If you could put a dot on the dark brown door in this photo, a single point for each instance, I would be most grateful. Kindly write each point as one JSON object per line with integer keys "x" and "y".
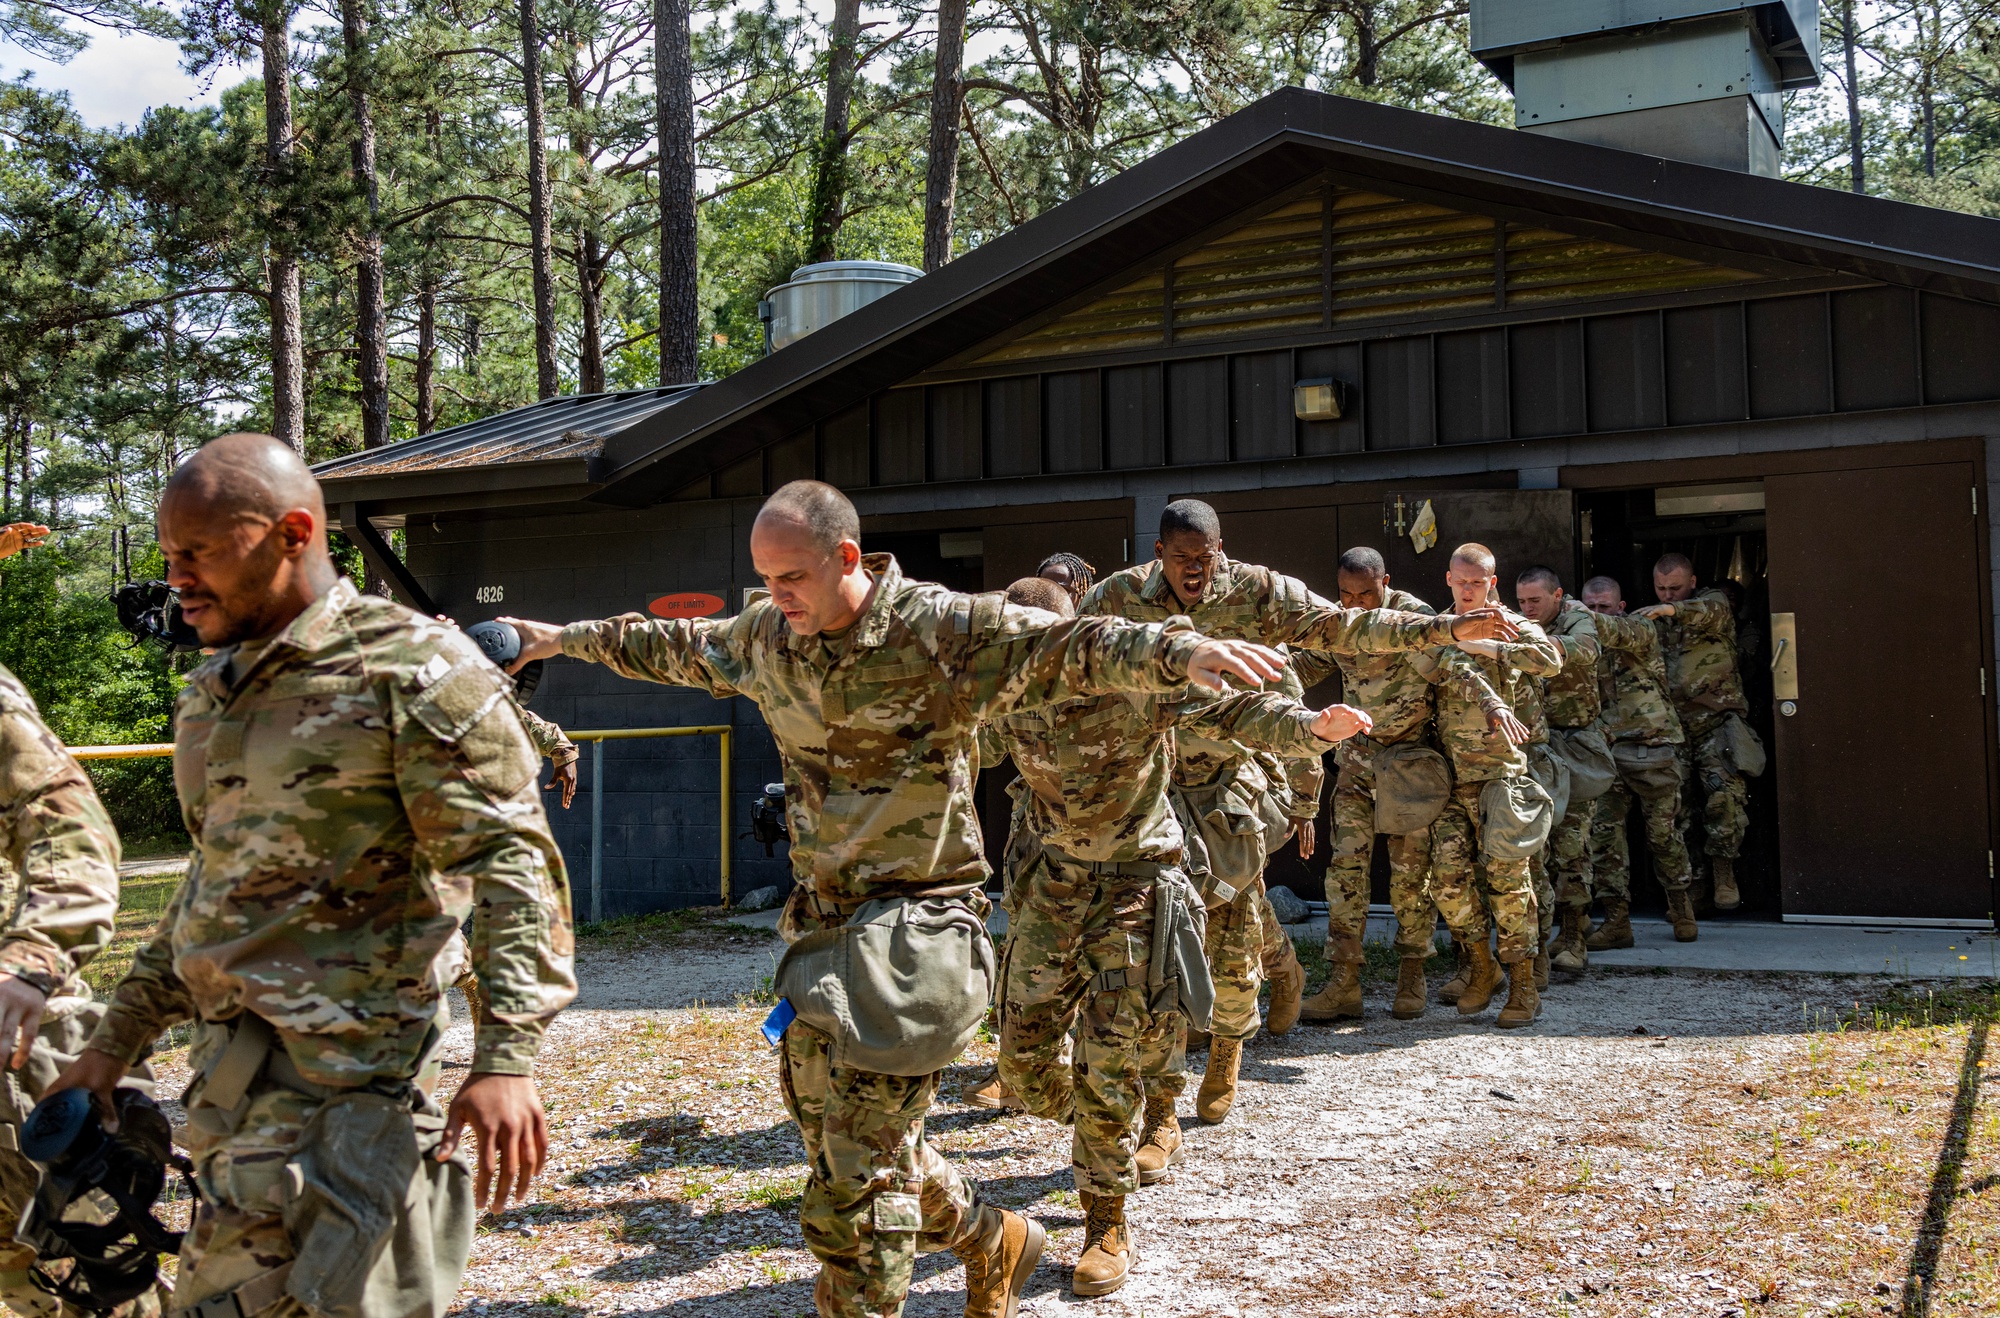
{"x": 1523, "y": 528}
{"x": 1883, "y": 797}
{"x": 1014, "y": 550}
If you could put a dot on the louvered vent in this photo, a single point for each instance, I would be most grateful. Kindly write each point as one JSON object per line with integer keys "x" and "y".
{"x": 1369, "y": 259}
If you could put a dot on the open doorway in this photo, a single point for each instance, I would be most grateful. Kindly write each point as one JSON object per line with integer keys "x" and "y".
{"x": 1721, "y": 529}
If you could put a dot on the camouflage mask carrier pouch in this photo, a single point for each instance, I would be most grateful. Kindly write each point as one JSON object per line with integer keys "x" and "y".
{"x": 1177, "y": 976}
{"x": 1588, "y": 754}
{"x": 1742, "y": 747}
{"x": 1650, "y": 771}
{"x": 1412, "y": 784}
{"x": 1551, "y": 772}
{"x": 1515, "y": 816}
{"x": 900, "y": 989}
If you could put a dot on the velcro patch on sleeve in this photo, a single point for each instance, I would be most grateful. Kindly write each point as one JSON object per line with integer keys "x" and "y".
{"x": 452, "y": 704}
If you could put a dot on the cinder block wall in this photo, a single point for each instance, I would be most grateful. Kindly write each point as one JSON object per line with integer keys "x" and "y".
{"x": 660, "y": 795}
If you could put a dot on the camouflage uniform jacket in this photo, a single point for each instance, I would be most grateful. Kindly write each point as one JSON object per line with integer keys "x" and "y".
{"x": 1633, "y": 678}
{"x": 1571, "y": 698}
{"x": 878, "y": 726}
{"x": 1478, "y": 755}
{"x": 60, "y": 850}
{"x": 1246, "y": 602}
{"x": 1396, "y": 690}
{"x": 1098, "y": 770}
{"x": 353, "y": 794}
{"x": 549, "y": 740}
{"x": 1699, "y": 643}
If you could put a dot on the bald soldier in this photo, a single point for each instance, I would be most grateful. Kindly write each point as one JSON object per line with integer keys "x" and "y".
{"x": 874, "y": 688}
{"x": 356, "y": 784}
{"x": 59, "y": 863}
{"x": 1698, "y": 640}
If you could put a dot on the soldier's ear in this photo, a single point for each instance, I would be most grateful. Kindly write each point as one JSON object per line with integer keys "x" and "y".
{"x": 850, "y": 555}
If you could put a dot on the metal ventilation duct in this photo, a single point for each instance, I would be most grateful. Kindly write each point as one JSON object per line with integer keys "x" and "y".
{"x": 820, "y": 294}
{"x": 1697, "y": 80}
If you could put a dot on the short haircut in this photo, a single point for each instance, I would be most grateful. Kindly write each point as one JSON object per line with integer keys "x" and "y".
{"x": 1673, "y": 563}
{"x": 1541, "y": 576}
{"x": 1604, "y": 586}
{"x": 248, "y": 473}
{"x": 827, "y": 514}
{"x": 1477, "y": 555}
{"x": 1362, "y": 561}
{"x": 1080, "y": 572}
{"x": 1190, "y": 517}
{"x": 1040, "y": 593}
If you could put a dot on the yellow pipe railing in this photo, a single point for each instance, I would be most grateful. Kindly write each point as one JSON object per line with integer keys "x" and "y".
{"x": 597, "y": 737}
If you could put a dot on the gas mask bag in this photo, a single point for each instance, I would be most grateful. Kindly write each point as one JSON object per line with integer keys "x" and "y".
{"x": 111, "y": 1236}
{"x": 499, "y": 642}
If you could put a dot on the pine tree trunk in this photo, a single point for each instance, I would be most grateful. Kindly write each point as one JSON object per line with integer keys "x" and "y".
{"x": 590, "y": 291}
{"x": 947, "y": 96}
{"x": 371, "y": 315}
{"x": 427, "y": 357}
{"x": 829, "y": 194}
{"x": 673, "y": 90}
{"x": 1856, "y": 169}
{"x": 541, "y": 242}
{"x": 288, "y": 368}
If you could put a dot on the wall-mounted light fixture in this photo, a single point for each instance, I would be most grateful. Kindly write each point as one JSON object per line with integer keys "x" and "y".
{"x": 1325, "y": 399}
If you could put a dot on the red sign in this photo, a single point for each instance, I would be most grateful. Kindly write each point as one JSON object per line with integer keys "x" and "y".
{"x": 688, "y": 604}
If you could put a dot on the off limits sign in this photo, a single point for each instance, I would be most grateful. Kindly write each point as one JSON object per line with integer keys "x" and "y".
{"x": 687, "y": 604}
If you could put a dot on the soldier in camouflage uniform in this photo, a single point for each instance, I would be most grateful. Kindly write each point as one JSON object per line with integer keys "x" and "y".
{"x": 1639, "y": 713}
{"x": 1698, "y": 639}
{"x": 1225, "y": 790}
{"x": 59, "y": 860}
{"x": 1396, "y": 691}
{"x": 1470, "y": 884}
{"x": 355, "y": 783}
{"x": 1078, "y": 947}
{"x": 874, "y": 688}
{"x": 1571, "y": 703}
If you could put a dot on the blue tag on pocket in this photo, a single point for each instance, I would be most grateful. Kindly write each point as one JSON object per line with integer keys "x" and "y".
{"x": 778, "y": 1022}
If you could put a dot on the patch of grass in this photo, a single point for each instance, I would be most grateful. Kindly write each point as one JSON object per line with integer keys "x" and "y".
{"x": 1380, "y": 963}
{"x": 687, "y": 926}
{"x": 781, "y": 1195}
{"x": 142, "y": 900}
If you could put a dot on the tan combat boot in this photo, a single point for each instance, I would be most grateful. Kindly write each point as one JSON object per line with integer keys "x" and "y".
{"x": 1569, "y": 954}
{"x": 1108, "y": 1251}
{"x": 996, "y": 1095}
{"x": 1482, "y": 979}
{"x": 1288, "y": 985}
{"x": 1340, "y": 999}
{"x": 1542, "y": 966}
{"x": 1454, "y": 986}
{"x": 1680, "y": 911}
{"x": 1723, "y": 868}
{"x": 1218, "y": 1082}
{"x": 1524, "y": 1000}
{"x": 1197, "y": 1039}
{"x": 1616, "y": 931}
{"x": 1160, "y": 1141}
{"x": 998, "y": 1262}
{"x": 1410, "y": 997}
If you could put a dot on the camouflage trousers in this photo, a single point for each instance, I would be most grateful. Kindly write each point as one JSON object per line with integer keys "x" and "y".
{"x": 1077, "y": 953}
{"x": 1275, "y": 950}
{"x": 1347, "y": 877}
{"x": 1717, "y": 795}
{"x": 61, "y": 1037}
{"x": 876, "y": 1194}
{"x": 1568, "y": 855}
{"x": 1611, "y": 851}
{"x": 1235, "y": 947}
{"x": 1477, "y": 893}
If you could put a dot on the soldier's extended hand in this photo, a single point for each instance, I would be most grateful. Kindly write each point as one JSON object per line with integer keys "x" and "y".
{"x": 1483, "y": 625}
{"x": 1213, "y": 662}
{"x": 99, "y": 1073}
{"x": 1502, "y": 721}
{"x": 21, "y": 1005}
{"x": 1655, "y": 611}
{"x": 17, "y": 536}
{"x": 539, "y": 640}
{"x": 505, "y": 1113}
{"x": 1339, "y": 722}
{"x": 1308, "y": 834}
{"x": 565, "y": 778}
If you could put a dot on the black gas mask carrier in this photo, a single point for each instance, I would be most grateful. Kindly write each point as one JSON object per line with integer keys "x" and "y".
{"x": 151, "y": 611}
{"x": 111, "y": 1261}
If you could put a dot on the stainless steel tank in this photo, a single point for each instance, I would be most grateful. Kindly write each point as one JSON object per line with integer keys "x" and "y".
{"x": 820, "y": 294}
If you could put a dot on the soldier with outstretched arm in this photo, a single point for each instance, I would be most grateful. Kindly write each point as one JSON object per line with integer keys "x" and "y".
{"x": 355, "y": 782}
{"x": 874, "y": 688}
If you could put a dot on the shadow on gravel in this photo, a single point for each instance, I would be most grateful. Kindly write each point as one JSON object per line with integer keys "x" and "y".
{"x": 680, "y": 1140}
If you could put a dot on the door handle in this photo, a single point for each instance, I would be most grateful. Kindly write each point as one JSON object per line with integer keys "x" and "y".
{"x": 1785, "y": 662}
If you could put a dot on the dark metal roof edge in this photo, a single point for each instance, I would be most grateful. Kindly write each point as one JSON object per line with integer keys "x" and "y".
{"x": 403, "y": 487}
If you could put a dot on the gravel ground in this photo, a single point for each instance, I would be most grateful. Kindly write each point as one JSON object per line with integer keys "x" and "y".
{"x": 1648, "y": 1147}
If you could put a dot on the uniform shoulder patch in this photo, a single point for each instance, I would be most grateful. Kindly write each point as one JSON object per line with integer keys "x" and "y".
{"x": 454, "y": 686}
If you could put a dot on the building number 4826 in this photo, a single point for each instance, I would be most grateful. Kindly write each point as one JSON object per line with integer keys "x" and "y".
{"x": 490, "y": 594}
